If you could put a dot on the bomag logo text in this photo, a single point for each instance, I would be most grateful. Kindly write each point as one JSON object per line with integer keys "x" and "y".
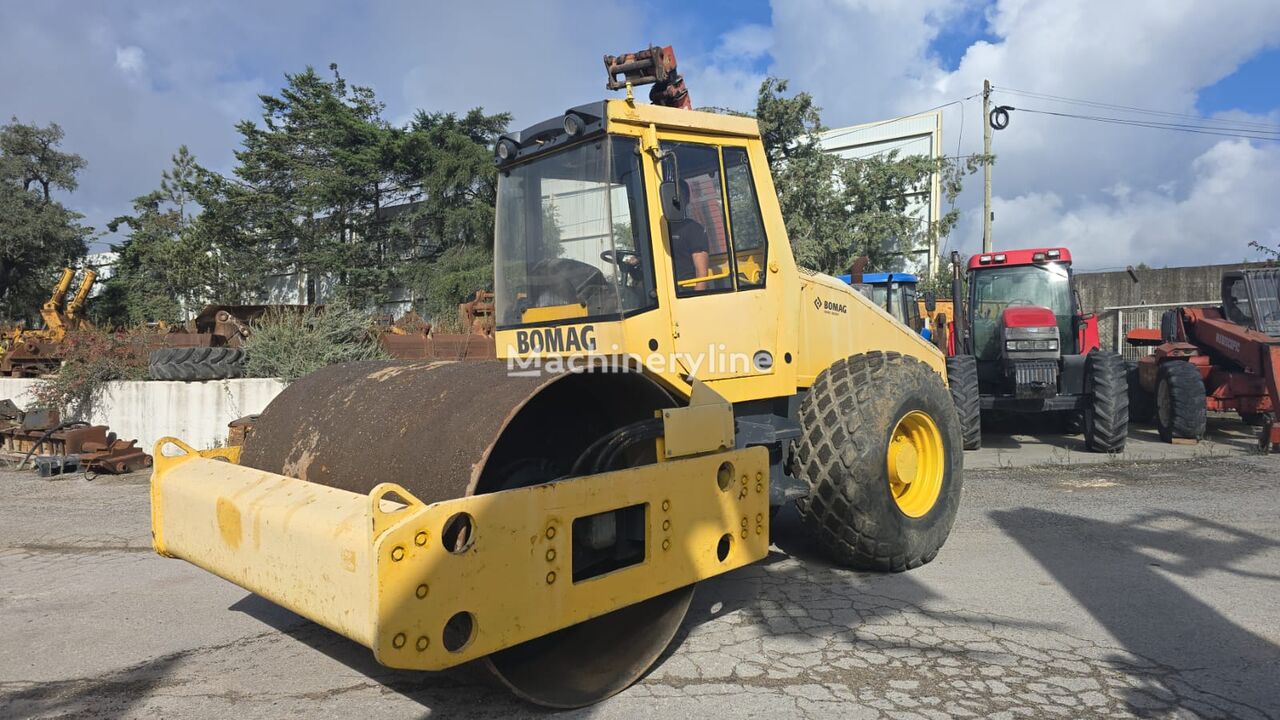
{"x": 556, "y": 339}
{"x": 829, "y": 306}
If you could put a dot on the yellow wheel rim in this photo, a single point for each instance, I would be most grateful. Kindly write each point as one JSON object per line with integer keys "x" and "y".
{"x": 916, "y": 461}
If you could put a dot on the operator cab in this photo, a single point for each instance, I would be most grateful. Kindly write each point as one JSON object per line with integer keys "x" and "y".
{"x": 1251, "y": 298}
{"x": 572, "y": 239}
{"x": 895, "y": 293}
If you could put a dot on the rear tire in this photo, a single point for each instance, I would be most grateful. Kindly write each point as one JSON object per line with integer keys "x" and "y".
{"x": 196, "y": 363}
{"x": 1142, "y": 404}
{"x": 1106, "y": 417}
{"x": 1180, "y": 408}
{"x": 962, "y": 381}
{"x": 849, "y": 419}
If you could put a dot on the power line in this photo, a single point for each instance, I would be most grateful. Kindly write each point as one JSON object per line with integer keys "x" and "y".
{"x": 1224, "y": 123}
{"x": 1272, "y": 136}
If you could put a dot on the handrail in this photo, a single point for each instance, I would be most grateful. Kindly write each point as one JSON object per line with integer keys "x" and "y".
{"x": 694, "y": 281}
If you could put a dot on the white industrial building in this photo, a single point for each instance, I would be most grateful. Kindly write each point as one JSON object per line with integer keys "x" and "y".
{"x": 914, "y": 135}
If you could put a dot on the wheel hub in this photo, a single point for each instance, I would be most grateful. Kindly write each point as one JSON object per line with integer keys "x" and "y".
{"x": 916, "y": 463}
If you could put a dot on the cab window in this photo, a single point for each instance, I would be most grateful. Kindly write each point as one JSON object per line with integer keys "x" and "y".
{"x": 699, "y": 244}
{"x": 721, "y": 244}
{"x": 746, "y": 224}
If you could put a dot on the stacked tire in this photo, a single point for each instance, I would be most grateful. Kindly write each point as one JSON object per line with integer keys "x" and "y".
{"x": 196, "y": 363}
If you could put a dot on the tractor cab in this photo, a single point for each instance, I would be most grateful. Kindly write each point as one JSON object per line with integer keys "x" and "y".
{"x": 1251, "y": 298}
{"x": 894, "y": 292}
{"x": 1022, "y": 319}
{"x": 1019, "y": 332}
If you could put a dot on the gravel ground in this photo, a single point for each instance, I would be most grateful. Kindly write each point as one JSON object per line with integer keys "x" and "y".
{"x": 1112, "y": 590}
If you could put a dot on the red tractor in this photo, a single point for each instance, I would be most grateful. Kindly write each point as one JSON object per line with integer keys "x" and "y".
{"x": 1223, "y": 359}
{"x": 1020, "y": 343}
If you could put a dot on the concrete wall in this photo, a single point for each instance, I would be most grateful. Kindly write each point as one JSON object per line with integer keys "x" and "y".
{"x": 197, "y": 412}
{"x": 1164, "y": 285}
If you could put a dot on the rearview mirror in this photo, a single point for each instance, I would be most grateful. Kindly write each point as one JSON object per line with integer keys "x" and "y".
{"x": 672, "y": 203}
{"x": 930, "y": 301}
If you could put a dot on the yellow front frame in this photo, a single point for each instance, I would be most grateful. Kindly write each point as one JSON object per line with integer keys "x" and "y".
{"x": 372, "y": 567}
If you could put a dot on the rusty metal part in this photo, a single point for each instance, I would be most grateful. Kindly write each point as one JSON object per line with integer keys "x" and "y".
{"x": 476, "y": 316}
{"x": 239, "y": 429}
{"x": 424, "y": 425}
{"x": 438, "y": 346}
{"x": 448, "y": 429}
{"x": 41, "y": 434}
{"x": 656, "y": 65}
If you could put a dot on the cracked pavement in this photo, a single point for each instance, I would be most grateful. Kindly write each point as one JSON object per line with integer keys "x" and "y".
{"x": 1112, "y": 590}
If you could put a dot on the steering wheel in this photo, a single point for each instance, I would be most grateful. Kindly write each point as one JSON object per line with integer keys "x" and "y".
{"x": 1020, "y": 302}
{"x": 620, "y": 257}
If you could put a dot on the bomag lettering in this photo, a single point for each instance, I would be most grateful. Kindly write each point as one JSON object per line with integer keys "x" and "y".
{"x": 834, "y": 307}
{"x": 556, "y": 340}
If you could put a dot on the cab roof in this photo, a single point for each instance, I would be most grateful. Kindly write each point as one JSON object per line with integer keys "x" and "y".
{"x": 1029, "y": 256}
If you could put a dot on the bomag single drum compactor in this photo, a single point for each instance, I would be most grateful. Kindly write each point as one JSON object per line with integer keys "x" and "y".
{"x": 666, "y": 378}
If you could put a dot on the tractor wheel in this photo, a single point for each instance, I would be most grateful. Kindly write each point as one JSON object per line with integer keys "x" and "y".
{"x": 1142, "y": 404}
{"x": 1179, "y": 401}
{"x": 880, "y": 450}
{"x": 962, "y": 379}
{"x": 1106, "y": 417}
{"x": 196, "y": 363}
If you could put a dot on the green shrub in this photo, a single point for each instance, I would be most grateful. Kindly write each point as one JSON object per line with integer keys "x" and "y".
{"x": 288, "y": 345}
{"x": 93, "y": 359}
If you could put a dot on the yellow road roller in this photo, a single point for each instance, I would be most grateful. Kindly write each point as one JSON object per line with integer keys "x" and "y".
{"x": 667, "y": 378}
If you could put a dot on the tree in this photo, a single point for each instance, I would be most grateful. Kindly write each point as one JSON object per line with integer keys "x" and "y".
{"x": 38, "y": 234}
{"x": 166, "y": 267}
{"x": 312, "y": 184}
{"x": 449, "y": 161}
{"x": 837, "y": 209}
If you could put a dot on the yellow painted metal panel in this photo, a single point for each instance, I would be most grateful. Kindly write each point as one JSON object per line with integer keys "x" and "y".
{"x": 376, "y": 571}
{"x": 301, "y": 545}
{"x": 515, "y": 578}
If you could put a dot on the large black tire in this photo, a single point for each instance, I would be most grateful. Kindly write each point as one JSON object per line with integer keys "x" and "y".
{"x": 1142, "y": 404}
{"x": 848, "y": 418}
{"x": 1106, "y": 417}
{"x": 962, "y": 380}
{"x": 1180, "y": 408}
{"x": 196, "y": 363}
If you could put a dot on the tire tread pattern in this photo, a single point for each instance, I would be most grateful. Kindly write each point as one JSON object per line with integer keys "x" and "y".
{"x": 196, "y": 363}
{"x": 1109, "y": 426}
{"x": 1186, "y": 395}
{"x": 846, "y": 419}
{"x": 962, "y": 381}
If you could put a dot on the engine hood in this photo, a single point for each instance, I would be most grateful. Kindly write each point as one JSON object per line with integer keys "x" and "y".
{"x": 1020, "y": 316}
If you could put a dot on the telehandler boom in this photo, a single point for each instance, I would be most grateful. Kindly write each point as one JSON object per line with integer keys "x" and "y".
{"x": 668, "y": 377}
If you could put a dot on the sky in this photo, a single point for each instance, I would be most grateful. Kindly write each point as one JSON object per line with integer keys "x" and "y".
{"x": 130, "y": 81}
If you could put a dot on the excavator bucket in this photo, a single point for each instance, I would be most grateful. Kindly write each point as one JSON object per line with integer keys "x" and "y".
{"x": 435, "y": 541}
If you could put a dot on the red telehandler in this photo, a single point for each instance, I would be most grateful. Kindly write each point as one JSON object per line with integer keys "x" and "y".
{"x": 1223, "y": 359}
{"x": 1020, "y": 343}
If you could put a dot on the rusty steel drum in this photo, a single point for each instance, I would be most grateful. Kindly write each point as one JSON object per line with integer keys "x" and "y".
{"x": 444, "y": 430}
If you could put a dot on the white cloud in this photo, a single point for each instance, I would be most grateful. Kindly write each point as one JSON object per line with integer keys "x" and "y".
{"x": 1120, "y": 194}
{"x": 131, "y": 60}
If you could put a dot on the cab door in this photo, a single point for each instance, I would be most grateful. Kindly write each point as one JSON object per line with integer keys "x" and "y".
{"x": 725, "y": 315}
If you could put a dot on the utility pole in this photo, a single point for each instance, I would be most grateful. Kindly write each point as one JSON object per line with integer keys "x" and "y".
{"x": 986, "y": 167}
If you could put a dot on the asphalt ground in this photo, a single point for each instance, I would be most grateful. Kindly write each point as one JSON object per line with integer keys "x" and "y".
{"x": 1123, "y": 588}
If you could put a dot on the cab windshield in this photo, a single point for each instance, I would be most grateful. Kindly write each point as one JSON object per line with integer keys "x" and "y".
{"x": 572, "y": 236}
{"x": 994, "y": 289}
